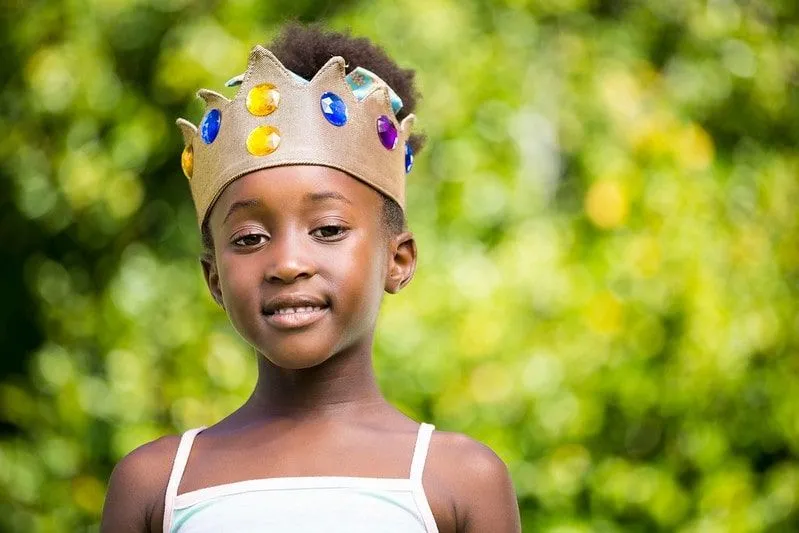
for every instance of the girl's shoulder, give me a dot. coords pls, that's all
(134, 499)
(482, 494)
(449, 450)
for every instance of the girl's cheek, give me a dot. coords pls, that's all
(231, 277)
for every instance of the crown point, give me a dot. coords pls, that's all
(188, 130)
(334, 69)
(407, 123)
(212, 98)
(338, 61)
(258, 52)
(263, 63)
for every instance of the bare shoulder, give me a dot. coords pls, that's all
(136, 489)
(483, 497)
(466, 456)
(143, 465)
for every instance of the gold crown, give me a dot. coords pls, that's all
(278, 118)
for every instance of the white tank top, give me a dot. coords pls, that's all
(310, 504)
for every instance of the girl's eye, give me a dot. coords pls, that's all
(329, 232)
(251, 239)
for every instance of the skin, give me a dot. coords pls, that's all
(316, 383)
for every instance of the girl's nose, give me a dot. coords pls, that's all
(289, 258)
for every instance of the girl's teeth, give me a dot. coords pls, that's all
(292, 310)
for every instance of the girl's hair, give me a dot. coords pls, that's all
(304, 49)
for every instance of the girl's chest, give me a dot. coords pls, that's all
(304, 462)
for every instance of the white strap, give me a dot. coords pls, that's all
(420, 451)
(178, 466)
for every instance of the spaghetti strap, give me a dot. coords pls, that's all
(178, 466)
(420, 451)
(417, 469)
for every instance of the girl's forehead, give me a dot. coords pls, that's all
(294, 186)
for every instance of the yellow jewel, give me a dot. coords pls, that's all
(263, 140)
(262, 99)
(187, 161)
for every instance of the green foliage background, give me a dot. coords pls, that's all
(606, 216)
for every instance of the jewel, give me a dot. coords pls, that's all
(408, 158)
(387, 132)
(334, 109)
(209, 127)
(235, 81)
(362, 83)
(187, 161)
(262, 99)
(263, 140)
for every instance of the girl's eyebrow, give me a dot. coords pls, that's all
(326, 195)
(241, 204)
(311, 197)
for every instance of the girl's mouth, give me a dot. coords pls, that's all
(295, 317)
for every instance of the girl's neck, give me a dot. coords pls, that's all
(341, 386)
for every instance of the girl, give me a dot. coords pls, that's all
(299, 188)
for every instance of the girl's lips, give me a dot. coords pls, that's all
(299, 319)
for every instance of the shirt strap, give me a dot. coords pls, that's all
(178, 467)
(420, 451)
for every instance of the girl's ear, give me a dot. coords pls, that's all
(401, 263)
(211, 277)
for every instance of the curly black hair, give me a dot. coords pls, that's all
(305, 48)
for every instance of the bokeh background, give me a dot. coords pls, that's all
(606, 216)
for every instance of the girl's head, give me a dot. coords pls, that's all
(299, 254)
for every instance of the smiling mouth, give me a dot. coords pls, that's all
(292, 310)
(295, 317)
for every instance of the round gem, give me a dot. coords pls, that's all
(408, 158)
(187, 161)
(262, 99)
(263, 140)
(334, 109)
(209, 127)
(387, 132)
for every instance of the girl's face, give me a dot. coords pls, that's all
(301, 261)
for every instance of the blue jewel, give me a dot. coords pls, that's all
(362, 82)
(235, 81)
(334, 109)
(408, 158)
(209, 127)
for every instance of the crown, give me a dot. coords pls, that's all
(277, 118)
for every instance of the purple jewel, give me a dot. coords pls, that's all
(387, 132)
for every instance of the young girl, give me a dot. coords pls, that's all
(299, 186)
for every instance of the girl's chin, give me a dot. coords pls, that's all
(295, 359)
(293, 364)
